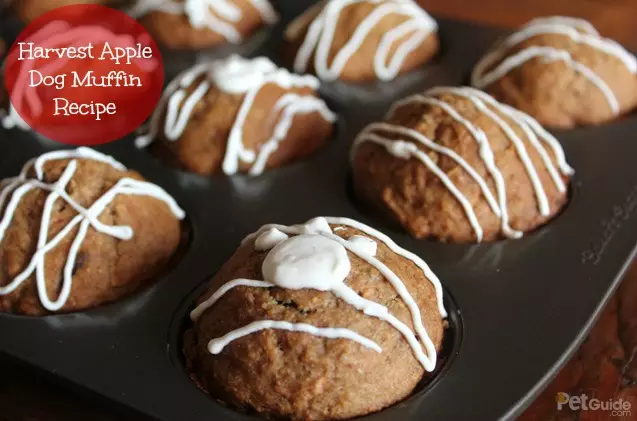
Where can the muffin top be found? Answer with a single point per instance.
(78, 229)
(224, 18)
(362, 40)
(326, 320)
(239, 115)
(561, 71)
(29, 10)
(456, 165)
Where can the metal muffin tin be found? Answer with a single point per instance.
(519, 308)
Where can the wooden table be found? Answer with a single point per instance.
(616, 19)
(605, 365)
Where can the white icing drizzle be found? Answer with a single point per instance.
(15, 189)
(484, 103)
(406, 150)
(364, 244)
(484, 75)
(319, 39)
(289, 105)
(219, 16)
(217, 345)
(519, 146)
(577, 23)
(79, 153)
(201, 308)
(238, 76)
(486, 153)
(311, 256)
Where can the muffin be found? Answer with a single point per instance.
(455, 165)
(315, 322)
(196, 24)
(362, 40)
(562, 72)
(28, 10)
(238, 115)
(79, 230)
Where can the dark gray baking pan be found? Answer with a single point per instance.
(519, 308)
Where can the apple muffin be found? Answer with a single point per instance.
(238, 115)
(320, 321)
(361, 40)
(562, 72)
(79, 230)
(456, 165)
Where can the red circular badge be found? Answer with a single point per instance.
(83, 75)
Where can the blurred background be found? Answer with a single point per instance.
(616, 19)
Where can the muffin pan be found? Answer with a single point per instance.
(519, 308)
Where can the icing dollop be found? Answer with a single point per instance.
(238, 75)
(315, 226)
(307, 261)
(269, 239)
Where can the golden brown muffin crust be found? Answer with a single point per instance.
(106, 268)
(557, 94)
(301, 376)
(408, 192)
(202, 146)
(175, 31)
(360, 66)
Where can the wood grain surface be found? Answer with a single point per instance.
(616, 19)
(606, 364)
